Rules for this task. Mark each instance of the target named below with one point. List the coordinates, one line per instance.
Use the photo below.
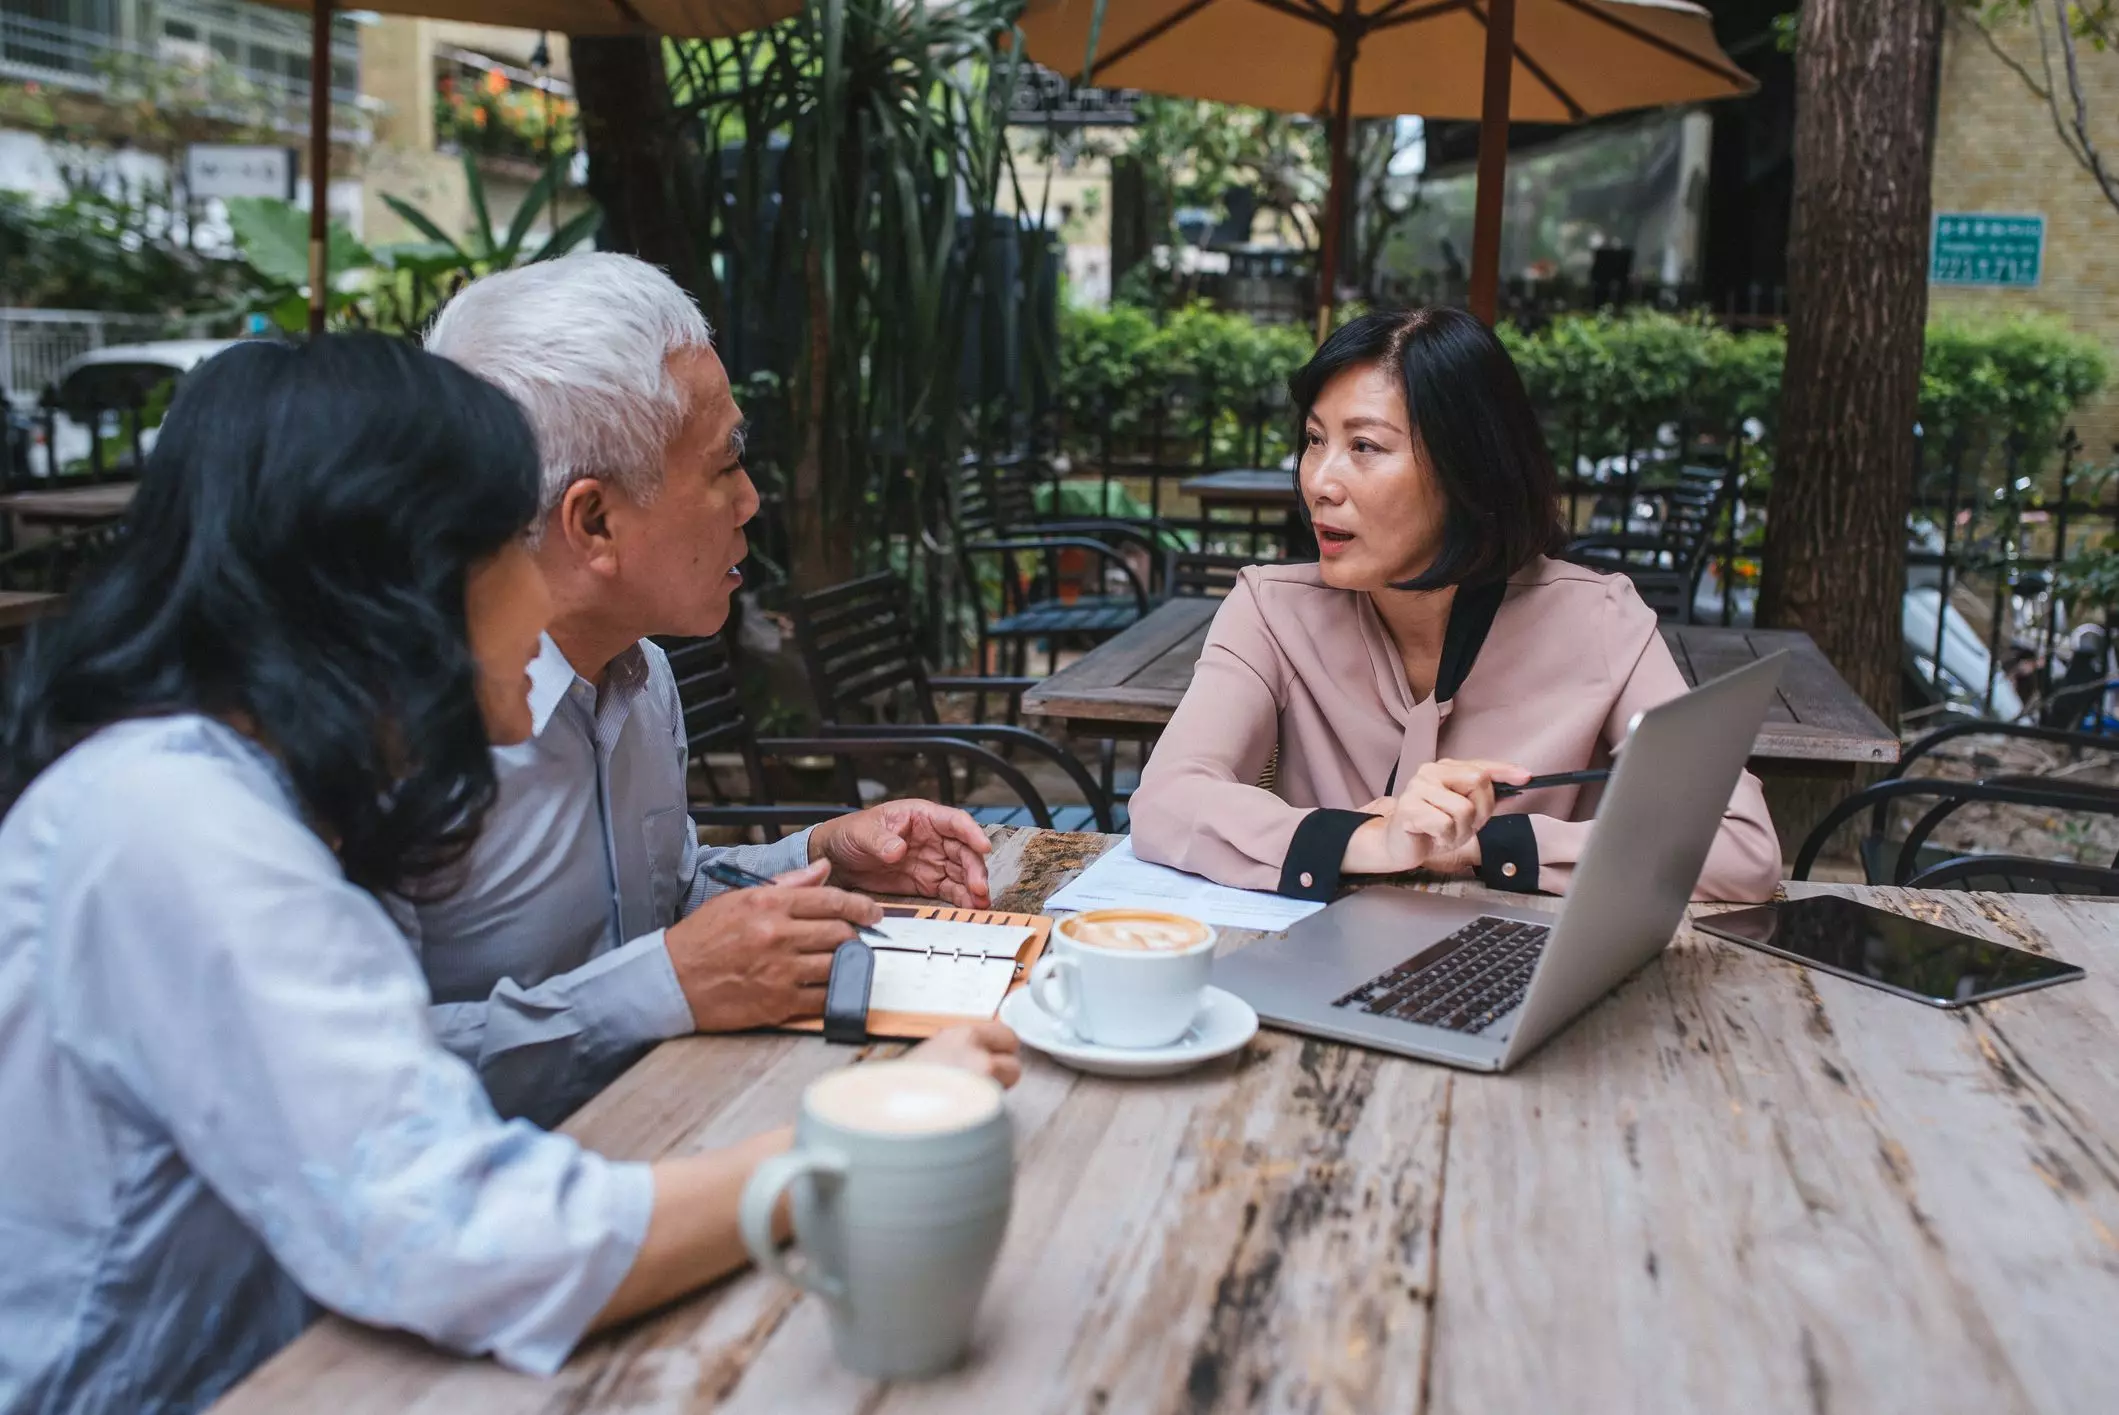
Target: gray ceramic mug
(899, 1183)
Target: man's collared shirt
(547, 962)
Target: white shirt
(547, 961)
(221, 1099)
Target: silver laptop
(1480, 984)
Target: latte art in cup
(1124, 977)
(903, 1098)
(1135, 930)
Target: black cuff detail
(1312, 867)
(1508, 854)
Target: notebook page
(1120, 879)
(966, 975)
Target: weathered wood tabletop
(1731, 1186)
(1131, 684)
(75, 506)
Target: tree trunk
(1857, 308)
(641, 171)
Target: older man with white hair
(584, 929)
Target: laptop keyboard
(1462, 983)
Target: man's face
(680, 552)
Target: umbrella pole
(1337, 195)
(1493, 158)
(319, 158)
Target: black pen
(1502, 790)
(736, 877)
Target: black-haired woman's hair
(1474, 426)
(294, 561)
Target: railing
(36, 344)
(1989, 520)
(70, 57)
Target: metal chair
(2018, 874)
(865, 669)
(1000, 542)
(1901, 862)
(1200, 574)
(1665, 565)
(715, 721)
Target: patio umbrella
(1538, 61)
(678, 19)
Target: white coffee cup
(1125, 977)
(899, 1183)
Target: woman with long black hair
(220, 1100)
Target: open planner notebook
(944, 966)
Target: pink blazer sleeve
(1197, 807)
(1744, 863)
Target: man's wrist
(823, 836)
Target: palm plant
(399, 286)
(870, 138)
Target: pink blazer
(1546, 673)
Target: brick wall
(1996, 150)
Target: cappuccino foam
(903, 1098)
(1136, 930)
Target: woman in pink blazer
(1434, 649)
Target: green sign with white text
(1986, 248)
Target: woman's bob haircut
(1474, 427)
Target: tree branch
(2073, 134)
(2090, 156)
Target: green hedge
(1118, 366)
(1603, 381)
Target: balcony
(505, 116)
(248, 86)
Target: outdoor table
(1734, 1185)
(71, 506)
(21, 608)
(1256, 490)
(1129, 686)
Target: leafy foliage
(1119, 366)
(110, 246)
(867, 140)
(396, 287)
(1604, 381)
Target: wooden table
(71, 506)
(1732, 1186)
(1261, 489)
(21, 608)
(1129, 686)
(1256, 491)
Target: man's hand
(761, 957)
(984, 1048)
(907, 847)
(1433, 822)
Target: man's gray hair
(581, 343)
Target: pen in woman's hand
(1503, 791)
(736, 877)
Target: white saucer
(1225, 1022)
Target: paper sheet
(1121, 879)
(967, 974)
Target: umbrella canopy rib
(1743, 81)
(1575, 112)
(1304, 11)
(1389, 17)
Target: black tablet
(1935, 965)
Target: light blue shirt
(221, 1100)
(547, 961)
